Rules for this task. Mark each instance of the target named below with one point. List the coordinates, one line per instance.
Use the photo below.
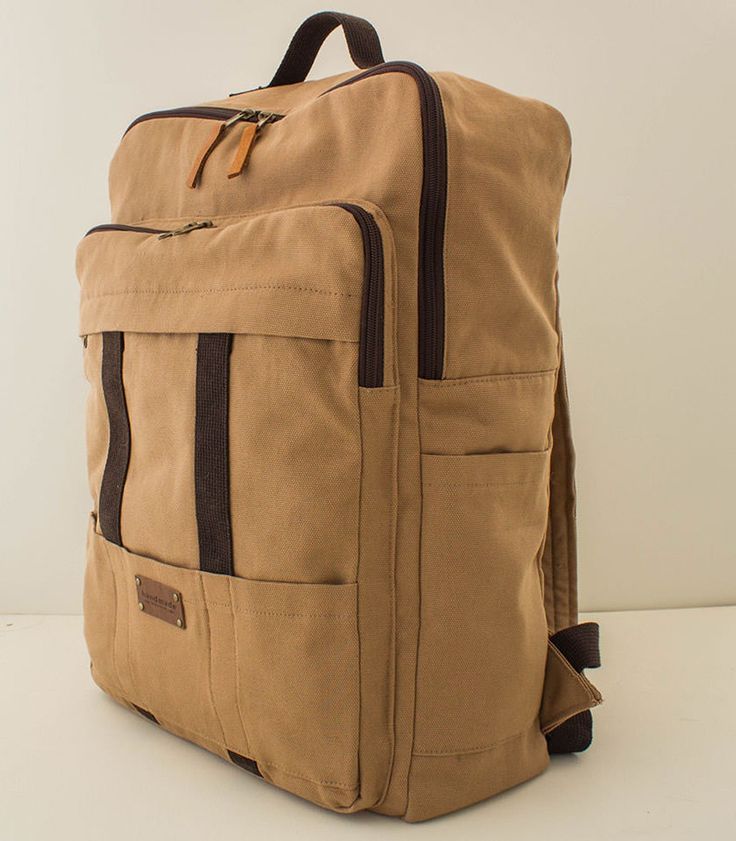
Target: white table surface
(75, 765)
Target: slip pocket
(483, 638)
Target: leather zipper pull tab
(212, 140)
(240, 159)
(247, 139)
(215, 136)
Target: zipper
(186, 229)
(253, 120)
(163, 233)
(199, 112)
(370, 354)
(371, 347)
(432, 212)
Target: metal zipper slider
(245, 114)
(247, 139)
(251, 117)
(185, 229)
(214, 137)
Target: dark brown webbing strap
(118, 449)
(211, 456)
(580, 646)
(245, 762)
(362, 40)
(559, 559)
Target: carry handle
(362, 40)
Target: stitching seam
(477, 749)
(262, 288)
(490, 378)
(480, 484)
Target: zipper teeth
(135, 228)
(199, 112)
(431, 214)
(370, 357)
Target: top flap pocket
(294, 272)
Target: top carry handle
(362, 40)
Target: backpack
(333, 536)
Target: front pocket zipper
(370, 359)
(163, 233)
(371, 350)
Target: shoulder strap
(559, 559)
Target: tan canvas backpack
(333, 537)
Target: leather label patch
(160, 601)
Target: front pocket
(298, 687)
(303, 328)
(256, 669)
(151, 663)
(483, 638)
(253, 380)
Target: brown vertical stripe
(211, 470)
(118, 451)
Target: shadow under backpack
(333, 535)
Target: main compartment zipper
(253, 122)
(371, 352)
(432, 212)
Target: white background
(647, 250)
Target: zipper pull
(215, 136)
(247, 139)
(185, 229)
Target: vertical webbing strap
(118, 449)
(211, 457)
(559, 559)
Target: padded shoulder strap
(559, 560)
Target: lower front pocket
(483, 637)
(246, 668)
(297, 674)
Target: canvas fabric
(397, 553)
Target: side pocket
(298, 685)
(483, 638)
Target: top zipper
(254, 120)
(204, 112)
(432, 212)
